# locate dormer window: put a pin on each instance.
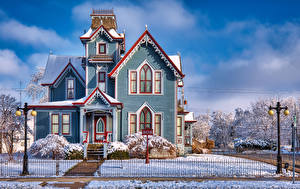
(70, 88)
(101, 48)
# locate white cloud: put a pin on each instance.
(38, 59)
(31, 35)
(169, 16)
(11, 65)
(267, 65)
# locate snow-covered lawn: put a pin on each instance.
(37, 167)
(204, 165)
(182, 184)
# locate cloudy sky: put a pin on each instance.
(233, 52)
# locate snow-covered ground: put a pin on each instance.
(182, 184)
(202, 165)
(36, 167)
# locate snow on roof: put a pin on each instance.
(56, 103)
(189, 116)
(56, 64)
(111, 99)
(176, 60)
(88, 33)
(112, 32)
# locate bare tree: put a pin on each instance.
(202, 127)
(34, 89)
(10, 126)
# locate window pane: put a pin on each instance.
(142, 126)
(66, 129)
(157, 86)
(148, 117)
(55, 119)
(102, 48)
(66, 119)
(179, 126)
(142, 86)
(70, 83)
(133, 75)
(149, 87)
(148, 74)
(148, 125)
(101, 77)
(100, 126)
(142, 118)
(54, 129)
(70, 93)
(133, 86)
(142, 74)
(157, 76)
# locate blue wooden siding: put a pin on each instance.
(43, 125)
(59, 93)
(160, 103)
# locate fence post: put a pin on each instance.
(57, 167)
(105, 150)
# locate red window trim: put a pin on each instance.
(145, 80)
(63, 124)
(101, 44)
(70, 88)
(155, 80)
(145, 111)
(178, 126)
(53, 124)
(155, 123)
(131, 80)
(132, 122)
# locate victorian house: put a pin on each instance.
(110, 93)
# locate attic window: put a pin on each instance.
(101, 48)
(70, 88)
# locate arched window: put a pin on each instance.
(145, 79)
(145, 119)
(100, 126)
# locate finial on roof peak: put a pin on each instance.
(69, 60)
(146, 27)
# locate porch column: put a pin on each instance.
(114, 126)
(81, 114)
(191, 134)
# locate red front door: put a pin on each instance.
(100, 134)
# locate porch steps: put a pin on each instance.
(84, 168)
(95, 151)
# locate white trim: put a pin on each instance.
(136, 124)
(146, 39)
(86, 70)
(138, 80)
(61, 77)
(161, 123)
(101, 31)
(97, 47)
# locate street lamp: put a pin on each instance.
(286, 112)
(19, 113)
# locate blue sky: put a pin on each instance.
(234, 52)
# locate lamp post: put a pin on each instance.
(286, 112)
(19, 113)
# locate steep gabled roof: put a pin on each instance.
(97, 92)
(111, 34)
(58, 65)
(146, 37)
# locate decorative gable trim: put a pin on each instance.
(146, 38)
(68, 67)
(97, 93)
(101, 30)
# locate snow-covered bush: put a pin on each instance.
(241, 144)
(117, 150)
(137, 144)
(116, 146)
(52, 146)
(73, 151)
